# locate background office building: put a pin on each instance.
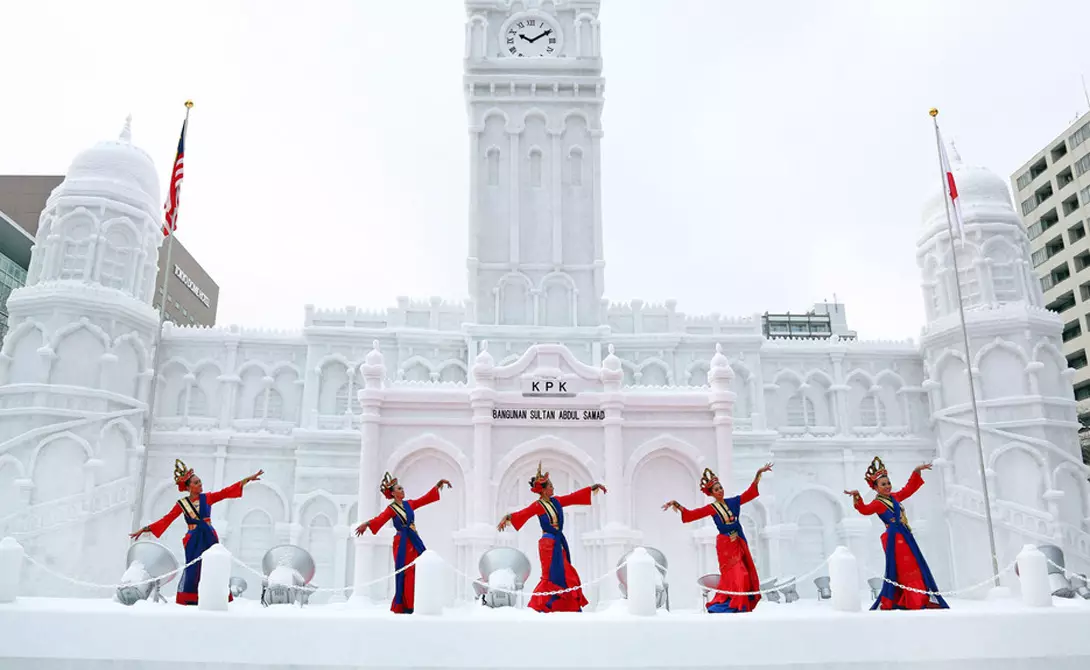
(192, 295)
(1052, 193)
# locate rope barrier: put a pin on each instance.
(92, 585)
(771, 589)
(953, 592)
(476, 580)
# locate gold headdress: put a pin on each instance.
(182, 473)
(708, 481)
(875, 471)
(388, 485)
(537, 482)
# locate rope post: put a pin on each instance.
(844, 580)
(214, 588)
(641, 571)
(11, 568)
(1033, 577)
(431, 584)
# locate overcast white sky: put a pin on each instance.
(757, 155)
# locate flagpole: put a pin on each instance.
(968, 356)
(141, 483)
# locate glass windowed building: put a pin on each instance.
(12, 276)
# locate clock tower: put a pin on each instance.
(534, 90)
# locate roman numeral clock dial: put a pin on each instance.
(531, 36)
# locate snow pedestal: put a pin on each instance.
(1033, 577)
(844, 580)
(431, 584)
(641, 574)
(11, 567)
(213, 589)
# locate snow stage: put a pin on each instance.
(41, 633)
(1034, 630)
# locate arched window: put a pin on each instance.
(576, 160)
(117, 259)
(535, 168)
(77, 249)
(800, 411)
(492, 164)
(255, 537)
(341, 405)
(275, 410)
(868, 411)
(198, 402)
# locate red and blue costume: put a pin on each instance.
(201, 535)
(905, 563)
(407, 542)
(557, 572)
(737, 572)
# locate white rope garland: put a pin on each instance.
(772, 589)
(542, 594)
(953, 592)
(92, 585)
(336, 589)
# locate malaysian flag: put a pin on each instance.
(174, 195)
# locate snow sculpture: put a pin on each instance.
(430, 390)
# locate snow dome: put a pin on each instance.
(117, 167)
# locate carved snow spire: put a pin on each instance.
(612, 375)
(484, 359)
(720, 374)
(374, 357)
(126, 132)
(719, 360)
(611, 362)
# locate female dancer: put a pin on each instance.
(407, 543)
(737, 572)
(557, 572)
(904, 561)
(196, 508)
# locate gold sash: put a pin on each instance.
(888, 502)
(403, 515)
(189, 508)
(550, 511)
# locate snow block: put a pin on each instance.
(213, 590)
(431, 582)
(844, 580)
(1033, 577)
(11, 568)
(641, 583)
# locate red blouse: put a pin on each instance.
(376, 524)
(876, 507)
(159, 527)
(535, 509)
(688, 516)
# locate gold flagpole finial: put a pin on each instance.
(934, 111)
(188, 104)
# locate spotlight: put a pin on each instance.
(1057, 580)
(767, 587)
(875, 584)
(237, 586)
(503, 568)
(824, 592)
(1081, 585)
(288, 570)
(146, 560)
(709, 581)
(789, 591)
(662, 589)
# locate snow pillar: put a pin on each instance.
(1033, 577)
(373, 372)
(721, 401)
(11, 567)
(641, 571)
(844, 580)
(430, 584)
(215, 569)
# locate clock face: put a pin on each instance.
(531, 37)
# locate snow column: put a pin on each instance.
(614, 535)
(480, 533)
(373, 372)
(721, 400)
(11, 568)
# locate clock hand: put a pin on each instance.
(540, 36)
(526, 38)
